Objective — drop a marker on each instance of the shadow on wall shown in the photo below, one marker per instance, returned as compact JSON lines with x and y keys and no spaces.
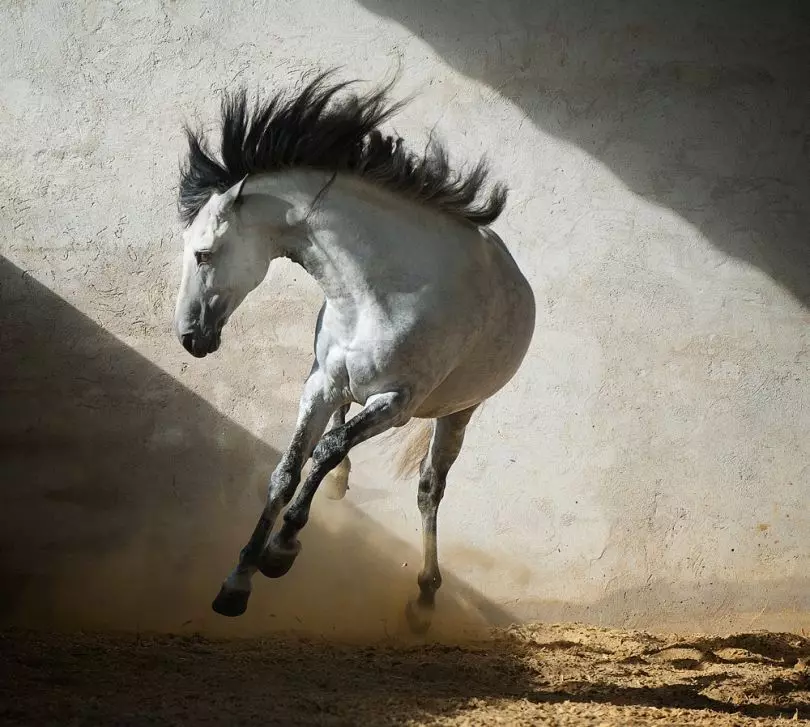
{"x":126,"y":497}
{"x":700,"y":107}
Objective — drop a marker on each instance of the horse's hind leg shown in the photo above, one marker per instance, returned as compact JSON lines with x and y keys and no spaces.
{"x":380,"y":413}
{"x":336,"y":482}
{"x":448,"y":436}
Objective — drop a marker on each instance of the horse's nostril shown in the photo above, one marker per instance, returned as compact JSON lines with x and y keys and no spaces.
{"x":188,"y":342}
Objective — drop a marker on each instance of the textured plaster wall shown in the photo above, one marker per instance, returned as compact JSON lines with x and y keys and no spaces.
{"x":650,"y":463}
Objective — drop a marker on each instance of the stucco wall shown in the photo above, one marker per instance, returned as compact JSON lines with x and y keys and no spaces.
{"x":649,"y":466}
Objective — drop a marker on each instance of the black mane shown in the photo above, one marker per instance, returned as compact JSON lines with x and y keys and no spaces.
{"x":316,"y":131}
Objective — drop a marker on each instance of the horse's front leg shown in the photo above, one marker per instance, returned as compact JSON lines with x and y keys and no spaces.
{"x":313,"y":414}
{"x":380,"y":413}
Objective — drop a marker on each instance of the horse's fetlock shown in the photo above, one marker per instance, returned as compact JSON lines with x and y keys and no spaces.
{"x":296,"y":518}
{"x":429,"y":579}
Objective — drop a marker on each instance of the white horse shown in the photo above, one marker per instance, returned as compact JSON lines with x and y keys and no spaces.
{"x":426,"y":313}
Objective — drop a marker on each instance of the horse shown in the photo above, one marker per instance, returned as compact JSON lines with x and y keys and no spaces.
{"x":426,"y":314}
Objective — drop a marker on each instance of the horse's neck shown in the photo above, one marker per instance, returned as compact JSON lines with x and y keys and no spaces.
{"x":353,"y":242}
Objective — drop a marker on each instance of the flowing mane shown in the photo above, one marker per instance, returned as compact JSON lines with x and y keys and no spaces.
{"x":316,"y":130}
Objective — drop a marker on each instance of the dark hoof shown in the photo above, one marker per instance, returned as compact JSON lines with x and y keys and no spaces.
{"x":277,"y":560}
{"x":230,"y":603}
{"x":419,"y":618}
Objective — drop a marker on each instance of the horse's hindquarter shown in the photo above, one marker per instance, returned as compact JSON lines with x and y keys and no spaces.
{"x":500,"y":342}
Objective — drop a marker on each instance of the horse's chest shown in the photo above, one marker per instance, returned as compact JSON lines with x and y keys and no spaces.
{"x":360,"y":359}
{"x":368,"y":357}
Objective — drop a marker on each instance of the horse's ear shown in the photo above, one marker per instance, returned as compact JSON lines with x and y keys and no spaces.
{"x":230,"y":197}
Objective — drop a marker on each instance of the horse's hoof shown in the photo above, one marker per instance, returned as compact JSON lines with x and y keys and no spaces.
{"x":277,"y":560}
{"x":230,"y":603}
{"x":336,"y":483}
{"x":418,"y":617}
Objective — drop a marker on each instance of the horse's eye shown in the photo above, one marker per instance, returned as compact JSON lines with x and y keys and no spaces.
{"x":203,"y":257}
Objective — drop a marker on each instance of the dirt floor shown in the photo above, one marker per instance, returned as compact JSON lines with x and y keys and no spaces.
{"x":539,"y":675}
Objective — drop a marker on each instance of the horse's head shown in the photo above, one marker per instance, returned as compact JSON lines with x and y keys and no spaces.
{"x":222,"y":263}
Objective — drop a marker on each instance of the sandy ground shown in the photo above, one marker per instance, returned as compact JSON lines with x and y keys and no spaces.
{"x":537,"y":675}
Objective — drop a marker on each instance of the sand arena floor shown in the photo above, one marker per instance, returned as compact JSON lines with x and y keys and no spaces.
{"x":564,"y":674}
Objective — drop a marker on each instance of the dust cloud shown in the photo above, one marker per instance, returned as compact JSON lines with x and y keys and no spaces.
{"x":127,"y":497}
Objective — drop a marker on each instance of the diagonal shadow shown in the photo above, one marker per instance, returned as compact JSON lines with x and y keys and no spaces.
{"x":698,"y":107}
{"x":125,"y":498}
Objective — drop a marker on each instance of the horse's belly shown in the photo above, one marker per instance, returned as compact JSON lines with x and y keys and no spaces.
{"x":466,"y":386}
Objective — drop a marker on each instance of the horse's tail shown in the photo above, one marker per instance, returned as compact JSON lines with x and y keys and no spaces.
{"x":416,"y":434}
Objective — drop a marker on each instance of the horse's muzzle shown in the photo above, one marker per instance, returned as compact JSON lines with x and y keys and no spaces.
{"x":200,"y":346}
